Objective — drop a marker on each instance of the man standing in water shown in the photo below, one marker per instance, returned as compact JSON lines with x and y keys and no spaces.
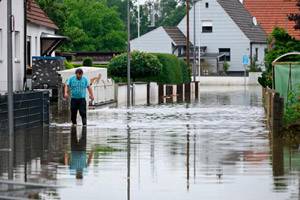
{"x":78,"y":84}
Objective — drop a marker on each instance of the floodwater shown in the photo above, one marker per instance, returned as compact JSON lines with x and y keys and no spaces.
{"x":215,"y":148}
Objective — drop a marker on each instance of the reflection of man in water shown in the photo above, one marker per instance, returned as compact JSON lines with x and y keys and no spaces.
{"x":78,"y":160}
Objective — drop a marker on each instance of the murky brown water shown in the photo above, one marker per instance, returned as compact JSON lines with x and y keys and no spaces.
{"x":215,"y":148}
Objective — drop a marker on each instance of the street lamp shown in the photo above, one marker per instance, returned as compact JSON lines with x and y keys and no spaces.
{"x":10,"y":97}
{"x":194,"y":49}
{"x":128,"y":54}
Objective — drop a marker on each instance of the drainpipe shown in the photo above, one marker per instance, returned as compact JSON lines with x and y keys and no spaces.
{"x":25,"y":43}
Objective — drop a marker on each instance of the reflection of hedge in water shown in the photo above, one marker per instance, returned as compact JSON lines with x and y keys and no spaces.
{"x":161,"y":68}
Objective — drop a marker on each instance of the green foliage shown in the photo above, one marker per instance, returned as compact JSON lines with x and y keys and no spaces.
{"x":68,"y":65}
{"x":143,"y":66}
{"x":292,"y":108}
{"x":265,"y":80}
{"x":91,"y":25}
{"x":105,"y":149}
{"x":226,"y":66}
{"x":100,"y":65}
{"x":172,"y":12}
{"x":77,"y":65}
{"x":254,"y":67}
{"x":280,"y":42}
{"x":186,"y":72}
{"x":162,"y":68}
{"x":175,"y":71}
{"x":87,"y":62}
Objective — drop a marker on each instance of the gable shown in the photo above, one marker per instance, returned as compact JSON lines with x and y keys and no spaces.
{"x":244,"y":20}
{"x":223,"y":20}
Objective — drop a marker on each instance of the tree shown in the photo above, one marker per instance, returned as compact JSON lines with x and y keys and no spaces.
{"x":296,"y":17}
{"x":90,"y":24}
{"x":172,"y":12}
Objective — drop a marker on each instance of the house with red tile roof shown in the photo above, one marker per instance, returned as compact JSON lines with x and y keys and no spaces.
{"x":36,"y":37}
{"x":274,"y":13}
{"x":41,"y":39}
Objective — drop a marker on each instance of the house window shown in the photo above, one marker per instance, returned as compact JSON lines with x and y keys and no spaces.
{"x":227,"y":53}
{"x":206,"y":5}
{"x":1,"y":45}
{"x":256,"y":54}
{"x":17,"y":46}
{"x":207,"y":27}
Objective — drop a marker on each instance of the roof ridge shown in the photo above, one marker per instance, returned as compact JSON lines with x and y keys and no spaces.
{"x":244,"y":20}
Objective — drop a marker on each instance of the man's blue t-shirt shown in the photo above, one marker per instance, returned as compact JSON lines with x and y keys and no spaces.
{"x":78,"y":87}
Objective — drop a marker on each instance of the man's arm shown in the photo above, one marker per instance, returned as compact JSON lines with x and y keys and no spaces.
{"x":66,"y":91}
{"x":91,"y":93}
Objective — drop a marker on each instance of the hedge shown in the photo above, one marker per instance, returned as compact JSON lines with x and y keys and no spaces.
{"x":172,"y":69}
{"x":175,"y":70}
{"x":143,"y":66}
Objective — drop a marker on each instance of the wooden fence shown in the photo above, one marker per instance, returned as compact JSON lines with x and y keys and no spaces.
{"x":274,"y":107}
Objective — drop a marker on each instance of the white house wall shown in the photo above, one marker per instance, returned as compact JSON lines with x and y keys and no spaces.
{"x":261,"y":52}
{"x":35,"y":32}
{"x":156,"y":41}
{"x":18,"y":64}
{"x":226,"y":34}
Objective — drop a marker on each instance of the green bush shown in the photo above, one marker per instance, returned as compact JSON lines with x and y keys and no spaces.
{"x":226,"y":66}
{"x":158,"y":67}
{"x":265,"y":80}
{"x":186,"y":71}
{"x":174,"y":71}
{"x":144,"y":66}
{"x":292,"y":108}
{"x":68,"y":65}
{"x":87,"y":62}
{"x":100,"y":65}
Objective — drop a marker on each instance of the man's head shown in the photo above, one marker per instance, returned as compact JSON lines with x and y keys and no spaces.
{"x":79,"y":73}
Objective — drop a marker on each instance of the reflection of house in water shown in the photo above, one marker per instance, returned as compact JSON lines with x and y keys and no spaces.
{"x":37,"y":154}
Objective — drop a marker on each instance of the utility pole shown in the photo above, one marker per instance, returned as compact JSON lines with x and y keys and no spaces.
{"x":188,"y":33}
{"x":139,"y":19}
{"x":128,"y":54}
{"x":10,"y":98}
{"x":194,"y":49}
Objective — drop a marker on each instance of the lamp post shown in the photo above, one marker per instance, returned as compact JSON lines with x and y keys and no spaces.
{"x":194,"y":50}
{"x":188,"y":33}
{"x":10,"y":98}
{"x":128,"y":54}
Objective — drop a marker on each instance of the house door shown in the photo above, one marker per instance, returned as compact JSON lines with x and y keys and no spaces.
{"x":28,"y":52}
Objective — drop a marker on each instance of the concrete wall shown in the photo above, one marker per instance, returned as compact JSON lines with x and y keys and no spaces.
{"x":226,"y":34}
{"x":229,"y":80}
{"x":18,"y":45}
{"x":156,"y":41}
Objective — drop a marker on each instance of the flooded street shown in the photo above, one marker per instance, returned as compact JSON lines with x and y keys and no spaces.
{"x":216,"y":148}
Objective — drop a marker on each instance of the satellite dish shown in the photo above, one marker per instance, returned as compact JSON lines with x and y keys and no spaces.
{"x":254,"y":20}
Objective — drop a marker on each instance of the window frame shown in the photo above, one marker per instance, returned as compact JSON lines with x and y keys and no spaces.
{"x":227,"y":57}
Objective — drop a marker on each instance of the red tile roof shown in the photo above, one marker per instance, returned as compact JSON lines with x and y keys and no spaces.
{"x":37,"y":16}
{"x":272,"y":13}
